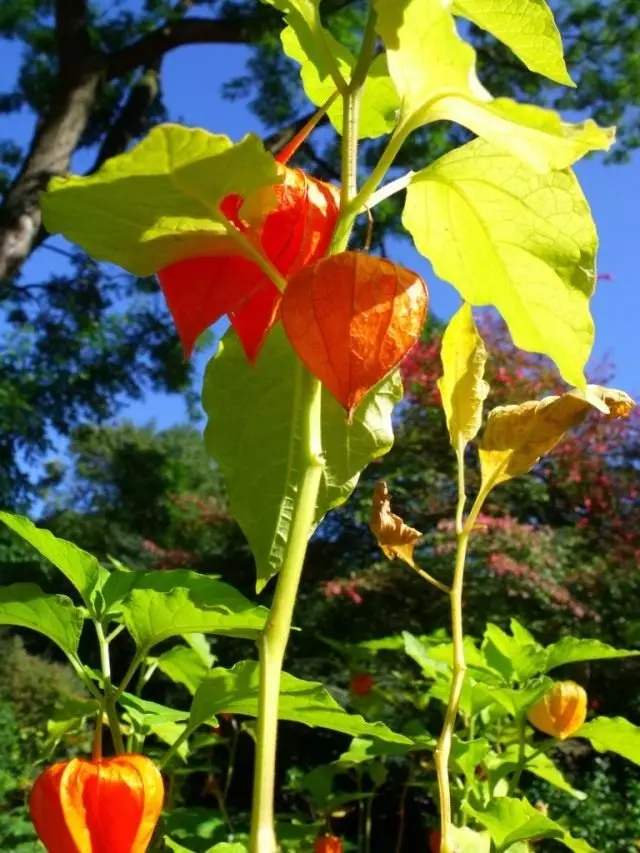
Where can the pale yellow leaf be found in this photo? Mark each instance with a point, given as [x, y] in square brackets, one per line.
[462, 386]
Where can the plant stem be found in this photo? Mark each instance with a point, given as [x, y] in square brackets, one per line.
[443, 750]
[522, 758]
[273, 642]
[430, 579]
[109, 693]
[96, 753]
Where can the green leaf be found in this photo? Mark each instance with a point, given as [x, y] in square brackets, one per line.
[508, 237]
[467, 755]
[168, 604]
[254, 436]
[525, 26]
[184, 666]
[503, 764]
[159, 202]
[613, 734]
[379, 102]
[509, 657]
[169, 732]
[174, 846]
[469, 841]
[434, 72]
[144, 714]
[462, 386]
[574, 650]
[510, 820]
[25, 605]
[236, 691]
[82, 569]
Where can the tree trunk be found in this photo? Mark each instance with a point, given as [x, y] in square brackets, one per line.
[53, 144]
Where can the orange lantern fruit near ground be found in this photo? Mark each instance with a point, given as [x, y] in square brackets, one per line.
[327, 844]
[561, 711]
[111, 804]
[351, 318]
[435, 840]
[361, 684]
[297, 231]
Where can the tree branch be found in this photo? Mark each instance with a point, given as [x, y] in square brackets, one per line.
[151, 47]
[72, 35]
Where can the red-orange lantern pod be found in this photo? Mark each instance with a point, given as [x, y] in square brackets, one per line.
[352, 318]
[435, 840]
[111, 805]
[297, 231]
[327, 844]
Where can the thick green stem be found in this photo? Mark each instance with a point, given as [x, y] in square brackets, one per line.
[109, 693]
[274, 639]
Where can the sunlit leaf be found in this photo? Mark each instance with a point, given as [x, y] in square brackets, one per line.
[25, 605]
[462, 386]
[506, 236]
[303, 17]
[503, 764]
[435, 74]
[82, 569]
[254, 436]
[168, 604]
[573, 650]
[525, 26]
[236, 691]
[613, 734]
[159, 202]
[467, 755]
[517, 436]
[379, 101]
[511, 820]
[469, 841]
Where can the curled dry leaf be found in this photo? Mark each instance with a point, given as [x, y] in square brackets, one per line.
[395, 538]
[296, 232]
[517, 436]
[351, 318]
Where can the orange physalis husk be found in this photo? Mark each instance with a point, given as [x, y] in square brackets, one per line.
[561, 711]
[328, 844]
[297, 231]
[435, 840]
[351, 318]
[361, 684]
[111, 805]
[395, 538]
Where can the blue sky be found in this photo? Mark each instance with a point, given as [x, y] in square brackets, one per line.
[612, 191]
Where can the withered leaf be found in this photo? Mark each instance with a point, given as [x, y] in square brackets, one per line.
[395, 538]
[517, 436]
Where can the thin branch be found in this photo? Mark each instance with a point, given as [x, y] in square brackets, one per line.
[129, 122]
[152, 46]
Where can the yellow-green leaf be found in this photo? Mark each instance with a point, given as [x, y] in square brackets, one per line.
[303, 16]
[534, 134]
[525, 26]
[159, 202]
[517, 436]
[434, 71]
[462, 386]
[379, 102]
[506, 236]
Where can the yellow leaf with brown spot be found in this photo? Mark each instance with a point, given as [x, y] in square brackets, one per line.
[517, 436]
